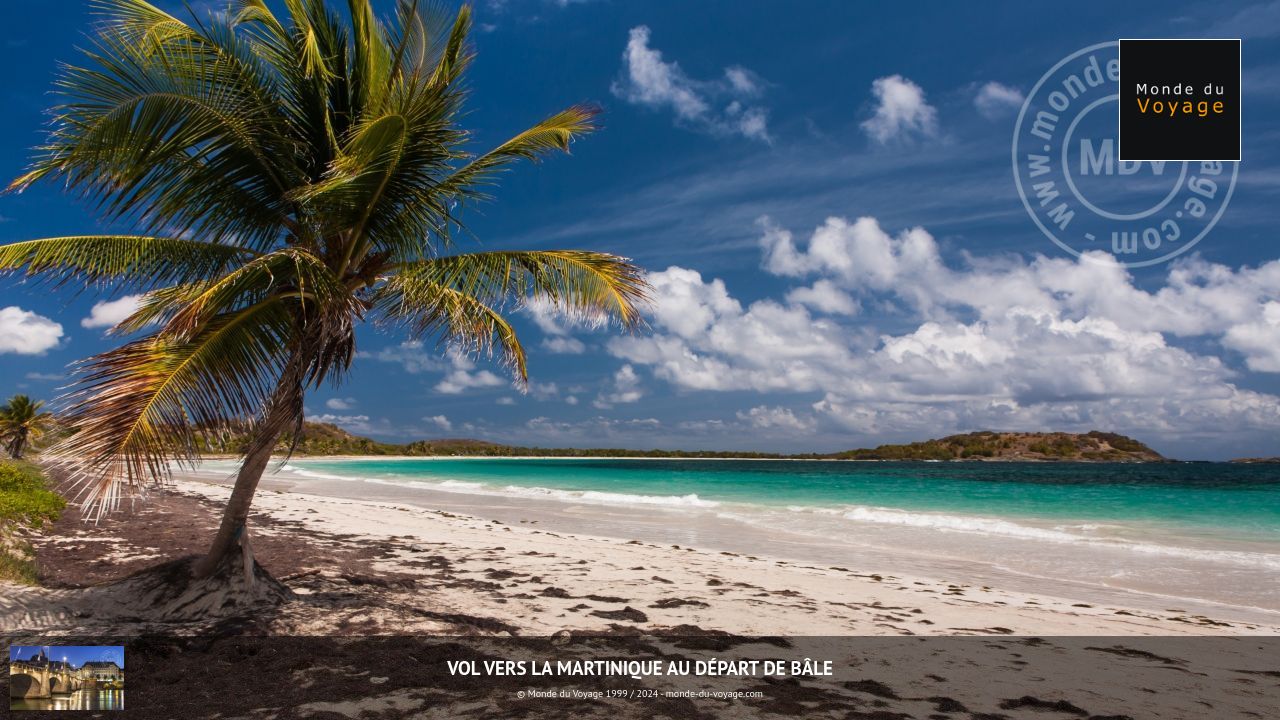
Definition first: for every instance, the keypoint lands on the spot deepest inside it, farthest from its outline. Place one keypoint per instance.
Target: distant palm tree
(286, 179)
(21, 423)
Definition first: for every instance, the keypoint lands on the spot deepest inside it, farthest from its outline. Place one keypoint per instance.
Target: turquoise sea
(1210, 499)
(1203, 530)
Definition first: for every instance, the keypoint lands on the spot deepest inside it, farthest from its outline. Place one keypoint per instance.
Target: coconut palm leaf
(141, 406)
(459, 298)
(125, 261)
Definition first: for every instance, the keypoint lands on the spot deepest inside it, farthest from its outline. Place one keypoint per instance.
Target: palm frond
(582, 284)
(555, 133)
(289, 272)
(126, 261)
(460, 297)
(455, 319)
(174, 129)
(143, 405)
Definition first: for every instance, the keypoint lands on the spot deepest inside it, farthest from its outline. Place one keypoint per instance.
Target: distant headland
(321, 439)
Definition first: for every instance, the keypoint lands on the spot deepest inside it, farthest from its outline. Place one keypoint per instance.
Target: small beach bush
(25, 503)
(25, 500)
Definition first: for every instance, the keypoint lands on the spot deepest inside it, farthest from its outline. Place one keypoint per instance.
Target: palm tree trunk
(19, 444)
(281, 412)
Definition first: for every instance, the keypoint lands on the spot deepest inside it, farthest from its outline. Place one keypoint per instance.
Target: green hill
(327, 439)
(988, 445)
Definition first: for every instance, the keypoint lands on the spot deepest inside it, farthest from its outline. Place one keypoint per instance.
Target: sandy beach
(430, 570)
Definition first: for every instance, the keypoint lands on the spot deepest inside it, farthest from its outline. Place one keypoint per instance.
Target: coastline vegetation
(26, 505)
(320, 439)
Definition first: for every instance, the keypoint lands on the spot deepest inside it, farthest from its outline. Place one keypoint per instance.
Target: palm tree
(283, 180)
(22, 422)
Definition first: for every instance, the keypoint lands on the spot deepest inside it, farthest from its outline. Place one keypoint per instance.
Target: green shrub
(24, 498)
(25, 502)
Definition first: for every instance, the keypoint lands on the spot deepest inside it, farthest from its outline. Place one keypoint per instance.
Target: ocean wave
(594, 497)
(977, 525)
(610, 498)
(1084, 533)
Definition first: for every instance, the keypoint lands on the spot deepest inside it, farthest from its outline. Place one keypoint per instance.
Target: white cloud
(718, 107)
(110, 313)
(775, 418)
(340, 403)
(901, 111)
(460, 372)
(995, 101)
(556, 323)
(352, 423)
(464, 376)
(440, 421)
(46, 377)
(544, 391)
(595, 431)
(25, 333)
(626, 389)
(411, 355)
(564, 346)
(1258, 339)
(997, 342)
(743, 81)
(824, 296)
(506, 400)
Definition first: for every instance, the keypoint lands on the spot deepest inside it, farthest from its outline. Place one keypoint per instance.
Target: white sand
(679, 585)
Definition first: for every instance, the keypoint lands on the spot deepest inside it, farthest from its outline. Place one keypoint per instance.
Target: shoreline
(374, 565)
(1141, 562)
(1057, 607)
(1035, 461)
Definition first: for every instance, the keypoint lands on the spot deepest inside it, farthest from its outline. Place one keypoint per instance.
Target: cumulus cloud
(412, 355)
(440, 421)
(1258, 339)
(352, 423)
(824, 296)
(764, 417)
(626, 389)
(597, 430)
(544, 391)
(460, 371)
(994, 342)
(464, 376)
(995, 101)
(720, 107)
(564, 346)
(340, 403)
(556, 324)
(901, 111)
(23, 332)
(110, 313)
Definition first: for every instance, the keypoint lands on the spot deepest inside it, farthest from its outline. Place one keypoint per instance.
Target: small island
(1093, 446)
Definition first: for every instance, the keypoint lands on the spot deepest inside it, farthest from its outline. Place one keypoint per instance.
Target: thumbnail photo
(66, 677)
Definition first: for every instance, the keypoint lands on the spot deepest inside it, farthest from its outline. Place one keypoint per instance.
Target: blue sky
(77, 655)
(824, 197)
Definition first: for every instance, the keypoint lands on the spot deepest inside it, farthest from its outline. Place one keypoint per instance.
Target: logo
(1180, 100)
(1082, 196)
